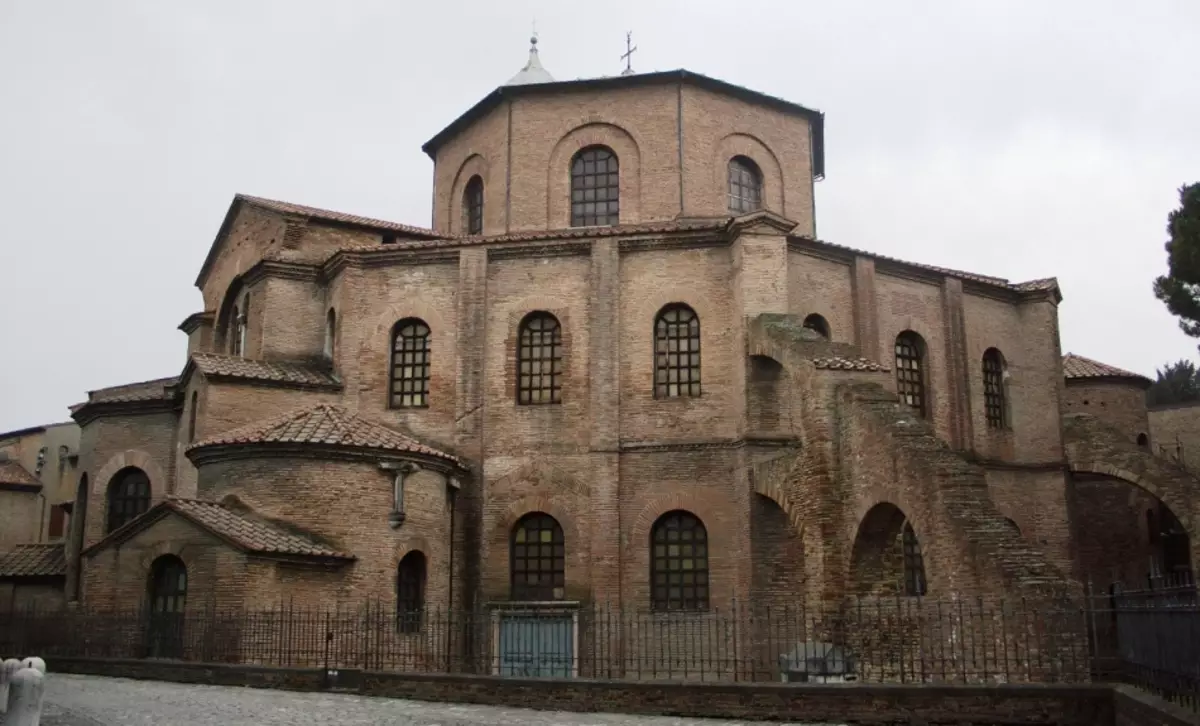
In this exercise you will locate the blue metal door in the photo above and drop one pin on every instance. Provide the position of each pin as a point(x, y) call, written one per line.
point(536, 646)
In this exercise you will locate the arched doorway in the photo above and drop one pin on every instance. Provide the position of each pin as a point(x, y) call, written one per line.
point(167, 594)
point(887, 558)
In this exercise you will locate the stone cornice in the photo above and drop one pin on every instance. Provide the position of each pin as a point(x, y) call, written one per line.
point(641, 447)
point(812, 248)
point(89, 412)
point(216, 453)
point(564, 248)
point(195, 320)
point(278, 268)
point(674, 242)
point(391, 257)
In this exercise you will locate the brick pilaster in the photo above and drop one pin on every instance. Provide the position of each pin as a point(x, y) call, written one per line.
point(866, 311)
point(604, 410)
point(957, 362)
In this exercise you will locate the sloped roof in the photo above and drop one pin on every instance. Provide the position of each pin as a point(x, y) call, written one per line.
point(838, 363)
point(235, 367)
point(328, 215)
point(1076, 367)
point(34, 560)
point(13, 473)
point(328, 425)
point(156, 389)
point(246, 533)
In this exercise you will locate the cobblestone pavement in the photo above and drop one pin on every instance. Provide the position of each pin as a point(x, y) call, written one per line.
point(91, 701)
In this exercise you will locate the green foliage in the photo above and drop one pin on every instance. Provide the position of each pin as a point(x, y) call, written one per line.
point(1180, 287)
point(1176, 383)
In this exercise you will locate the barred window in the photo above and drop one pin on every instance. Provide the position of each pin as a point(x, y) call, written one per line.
point(679, 563)
point(595, 188)
point(538, 565)
point(473, 206)
point(993, 389)
point(410, 592)
point(128, 497)
point(910, 371)
point(330, 333)
point(168, 585)
point(914, 563)
point(539, 359)
point(817, 324)
point(410, 364)
point(745, 186)
point(676, 352)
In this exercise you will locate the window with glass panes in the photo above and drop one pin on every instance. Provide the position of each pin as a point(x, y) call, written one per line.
point(168, 585)
point(745, 186)
point(914, 563)
point(538, 559)
point(910, 373)
point(410, 592)
point(410, 364)
point(473, 206)
point(128, 497)
point(539, 360)
point(679, 563)
point(595, 188)
point(993, 388)
point(676, 352)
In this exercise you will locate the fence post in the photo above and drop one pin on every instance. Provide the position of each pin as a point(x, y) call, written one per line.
point(25, 698)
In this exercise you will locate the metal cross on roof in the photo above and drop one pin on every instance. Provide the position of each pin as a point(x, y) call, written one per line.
point(627, 56)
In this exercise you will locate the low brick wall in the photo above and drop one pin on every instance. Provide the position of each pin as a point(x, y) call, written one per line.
point(1010, 705)
point(1133, 707)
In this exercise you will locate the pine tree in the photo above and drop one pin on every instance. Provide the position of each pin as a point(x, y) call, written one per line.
point(1180, 287)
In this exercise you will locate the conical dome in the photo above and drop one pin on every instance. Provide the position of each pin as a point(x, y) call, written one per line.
point(533, 71)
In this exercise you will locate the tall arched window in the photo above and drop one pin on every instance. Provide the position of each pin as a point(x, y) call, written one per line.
point(168, 585)
point(330, 333)
point(539, 559)
point(679, 563)
point(240, 316)
point(993, 389)
point(817, 324)
point(192, 417)
point(410, 592)
point(745, 186)
point(595, 188)
point(128, 496)
point(676, 352)
point(410, 364)
point(235, 328)
point(473, 206)
point(539, 359)
point(914, 563)
point(910, 371)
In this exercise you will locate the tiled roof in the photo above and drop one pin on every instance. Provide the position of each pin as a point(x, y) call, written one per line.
point(157, 389)
point(249, 534)
point(332, 216)
point(11, 472)
point(838, 363)
point(329, 425)
point(1045, 283)
point(34, 560)
point(1076, 367)
point(224, 366)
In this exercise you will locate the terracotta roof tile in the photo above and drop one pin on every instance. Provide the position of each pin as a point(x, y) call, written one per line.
point(157, 389)
point(838, 363)
point(224, 366)
point(34, 560)
point(329, 425)
point(1076, 367)
point(250, 534)
point(1045, 283)
point(11, 472)
point(332, 216)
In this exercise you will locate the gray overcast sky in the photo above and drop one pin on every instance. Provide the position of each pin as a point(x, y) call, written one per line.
point(1019, 139)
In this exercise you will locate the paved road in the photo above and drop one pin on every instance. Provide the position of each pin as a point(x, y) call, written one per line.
point(90, 701)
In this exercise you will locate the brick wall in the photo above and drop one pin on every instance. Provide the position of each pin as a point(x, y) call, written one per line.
point(1175, 432)
point(41, 594)
point(1120, 404)
point(20, 518)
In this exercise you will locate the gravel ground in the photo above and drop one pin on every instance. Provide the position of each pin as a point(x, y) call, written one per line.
point(91, 701)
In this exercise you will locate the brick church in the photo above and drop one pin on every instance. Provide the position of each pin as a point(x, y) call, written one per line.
point(620, 367)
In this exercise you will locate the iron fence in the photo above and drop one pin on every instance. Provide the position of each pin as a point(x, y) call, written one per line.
point(901, 640)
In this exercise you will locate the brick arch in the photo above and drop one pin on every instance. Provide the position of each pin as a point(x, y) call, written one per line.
point(412, 543)
point(681, 500)
point(876, 553)
point(553, 506)
point(755, 149)
point(546, 474)
point(123, 460)
point(379, 338)
point(182, 550)
point(1176, 503)
point(558, 172)
point(474, 164)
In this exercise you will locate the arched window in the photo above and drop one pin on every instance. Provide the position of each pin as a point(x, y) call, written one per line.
point(679, 563)
point(595, 188)
point(235, 327)
point(240, 316)
point(914, 563)
point(1143, 440)
point(538, 559)
point(910, 371)
point(330, 333)
point(192, 418)
point(539, 359)
point(817, 324)
point(473, 206)
point(676, 352)
point(168, 585)
point(993, 389)
point(128, 496)
point(410, 364)
point(410, 592)
point(745, 186)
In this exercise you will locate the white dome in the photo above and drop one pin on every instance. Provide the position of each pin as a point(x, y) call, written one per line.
point(533, 71)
